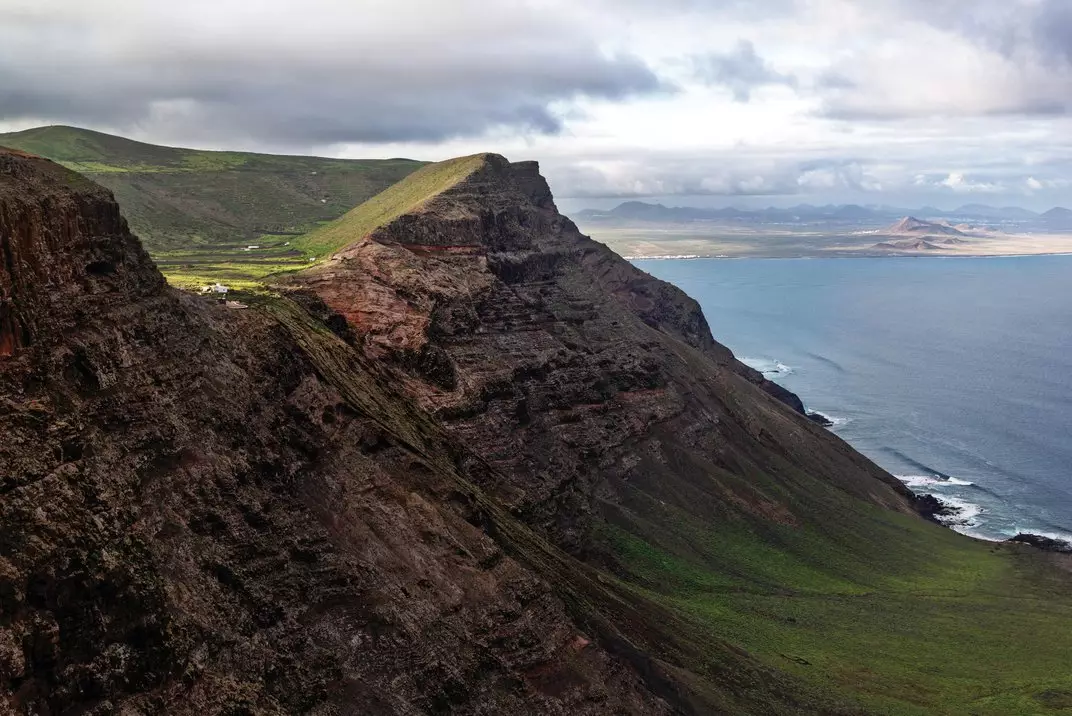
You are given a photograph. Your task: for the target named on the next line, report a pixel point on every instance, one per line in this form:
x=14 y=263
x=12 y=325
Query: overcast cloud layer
x=717 y=102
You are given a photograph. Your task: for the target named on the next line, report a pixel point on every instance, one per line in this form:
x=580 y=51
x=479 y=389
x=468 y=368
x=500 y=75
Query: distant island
x=643 y=230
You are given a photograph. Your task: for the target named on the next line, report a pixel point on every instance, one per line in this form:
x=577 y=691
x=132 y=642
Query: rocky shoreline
x=1040 y=542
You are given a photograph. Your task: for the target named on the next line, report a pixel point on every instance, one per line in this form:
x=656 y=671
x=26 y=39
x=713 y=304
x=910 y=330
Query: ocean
x=955 y=374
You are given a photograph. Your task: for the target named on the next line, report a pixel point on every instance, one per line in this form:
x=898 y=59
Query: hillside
x=620 y=429
x=185 y=199
x=1058 y=218
x=911 y=226
x=407 y=196
x=473 y=463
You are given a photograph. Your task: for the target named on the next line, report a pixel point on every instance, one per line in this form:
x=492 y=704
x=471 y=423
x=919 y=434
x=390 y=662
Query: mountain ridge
x=177 y=198
x=473 y=463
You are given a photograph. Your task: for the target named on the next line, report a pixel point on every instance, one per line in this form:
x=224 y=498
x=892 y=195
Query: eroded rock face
x=567 y=368
x=194 y=520
x=322 y=508
x=61 y=238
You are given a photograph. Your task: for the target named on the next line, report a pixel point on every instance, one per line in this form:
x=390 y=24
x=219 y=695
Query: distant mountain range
x=1058 y=218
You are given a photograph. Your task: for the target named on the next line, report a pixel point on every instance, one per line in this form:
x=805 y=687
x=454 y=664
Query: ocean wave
x=823 y=359
x=933 y=480
x=966 y=513
x=768 y=366
x=917 y=464
x=835 y=421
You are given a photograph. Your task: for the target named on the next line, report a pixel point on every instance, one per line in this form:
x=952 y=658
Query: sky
x=687 y=102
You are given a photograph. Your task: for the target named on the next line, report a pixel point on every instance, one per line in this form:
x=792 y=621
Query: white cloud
x=846 y=99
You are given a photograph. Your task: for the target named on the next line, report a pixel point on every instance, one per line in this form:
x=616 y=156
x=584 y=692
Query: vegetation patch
x=402 y=198
x=902 y=616
x=180 y=199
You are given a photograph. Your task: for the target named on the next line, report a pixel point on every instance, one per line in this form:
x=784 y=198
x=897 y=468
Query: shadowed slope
x=618 y=428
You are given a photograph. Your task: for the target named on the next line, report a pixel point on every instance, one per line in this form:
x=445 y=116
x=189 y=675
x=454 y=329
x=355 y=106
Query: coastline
x=690 y=242
x=929 y=486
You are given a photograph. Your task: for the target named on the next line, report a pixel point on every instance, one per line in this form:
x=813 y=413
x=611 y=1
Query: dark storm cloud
x=741 y=71
x=306 y=85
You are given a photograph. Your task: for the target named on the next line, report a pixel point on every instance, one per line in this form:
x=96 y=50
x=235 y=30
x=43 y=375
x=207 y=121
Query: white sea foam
x=966 y=515
x=835 y=421
x=768 y=366
x=920 y=480
x=932 y=481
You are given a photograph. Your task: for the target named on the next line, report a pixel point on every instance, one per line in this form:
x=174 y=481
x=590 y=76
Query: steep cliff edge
x=569 y=369
x=210 y=511
x=474 y=464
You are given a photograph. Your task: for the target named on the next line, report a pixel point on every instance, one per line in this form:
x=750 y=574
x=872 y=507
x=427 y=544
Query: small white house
x=251 y=247
x=219 y=288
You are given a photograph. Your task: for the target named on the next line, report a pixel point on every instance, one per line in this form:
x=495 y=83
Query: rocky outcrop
x=1046 y=544
x=568 y=369
x=910 y=225
x=61 y=239
x=384 y=492
x=206 y=511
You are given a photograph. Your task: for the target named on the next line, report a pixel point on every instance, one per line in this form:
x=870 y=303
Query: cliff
x=198 y=516
x=473 y=463
x=567 y=368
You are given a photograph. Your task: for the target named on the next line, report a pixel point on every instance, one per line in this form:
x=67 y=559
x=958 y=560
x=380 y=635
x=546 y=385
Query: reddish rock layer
x=566 y=367
x=194 y=519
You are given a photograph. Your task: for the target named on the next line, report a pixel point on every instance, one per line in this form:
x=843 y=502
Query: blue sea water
x=954 y=374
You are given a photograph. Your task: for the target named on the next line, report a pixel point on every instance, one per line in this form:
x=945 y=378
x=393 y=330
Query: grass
x=232 y=266
x=900 y=616
x=404 y=197
x=178 y=199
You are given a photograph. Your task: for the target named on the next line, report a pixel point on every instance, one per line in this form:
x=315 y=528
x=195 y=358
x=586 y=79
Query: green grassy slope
x=855 y=610
x=897 y=615
x=185 y=199
x=404 y=197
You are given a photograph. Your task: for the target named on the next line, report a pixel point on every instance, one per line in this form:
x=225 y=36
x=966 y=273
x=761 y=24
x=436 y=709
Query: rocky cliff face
x=63 y=239
x=567 y=368
x=197 y=516
x=355 y=499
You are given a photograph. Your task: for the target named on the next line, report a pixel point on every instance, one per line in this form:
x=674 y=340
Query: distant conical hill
x=910 y=225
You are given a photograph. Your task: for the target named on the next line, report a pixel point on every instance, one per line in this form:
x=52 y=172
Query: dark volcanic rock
x=350 y=502
x=934 y=509
x=195 y=520
x=1046 y=544
x=820 y=419
x=574 y=372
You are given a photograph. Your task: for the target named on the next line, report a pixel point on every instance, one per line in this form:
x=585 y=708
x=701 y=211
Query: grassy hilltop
x=402 y=198
x=199 y=209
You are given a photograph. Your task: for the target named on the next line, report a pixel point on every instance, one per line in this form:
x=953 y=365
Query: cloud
x=945 y=58
x=663 y=175
x=960 y=183
x=333 y=72
x=741 y=71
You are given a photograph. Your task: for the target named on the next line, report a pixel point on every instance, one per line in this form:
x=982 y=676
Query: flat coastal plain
x=656 y=241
